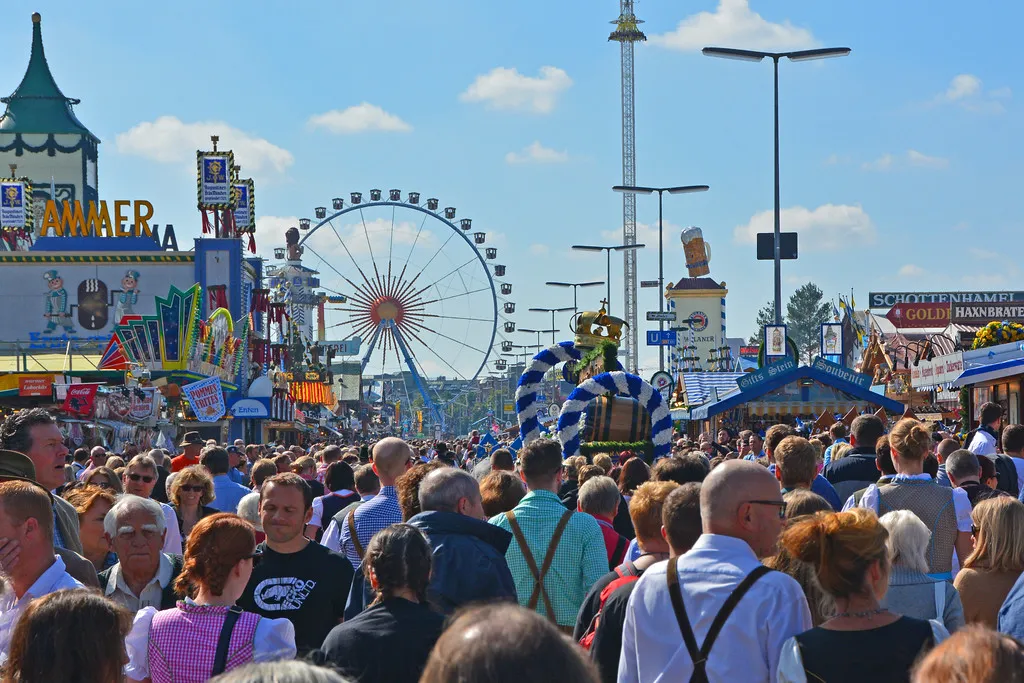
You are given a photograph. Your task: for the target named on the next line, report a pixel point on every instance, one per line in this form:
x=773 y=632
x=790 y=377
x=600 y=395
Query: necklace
x=860 y=615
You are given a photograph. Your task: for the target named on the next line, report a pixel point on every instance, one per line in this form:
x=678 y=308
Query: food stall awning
x=781 y=379
x=987 y=373
x=700 y=386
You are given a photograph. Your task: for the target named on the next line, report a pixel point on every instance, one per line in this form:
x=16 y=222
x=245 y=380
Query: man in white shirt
x=742 y=515
x=987 y=436
x=140 y=477
x=26 y=517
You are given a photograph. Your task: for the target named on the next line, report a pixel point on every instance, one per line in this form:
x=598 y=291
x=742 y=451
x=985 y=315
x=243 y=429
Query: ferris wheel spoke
x=391 y=247
x=413 y=247
x=336 y=271
x=349 y=253
x=457 y=317
x=431 y=260
x=453 y=339
x=373 y=259
x=439 y=357
x=456 y=296
x=446 y=275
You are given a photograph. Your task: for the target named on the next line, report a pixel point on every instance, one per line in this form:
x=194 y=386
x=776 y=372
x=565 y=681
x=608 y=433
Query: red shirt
x=611 y=540
x=181 y=462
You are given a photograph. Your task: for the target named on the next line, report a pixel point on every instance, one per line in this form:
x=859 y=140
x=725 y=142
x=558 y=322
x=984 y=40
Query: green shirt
x=580 y=560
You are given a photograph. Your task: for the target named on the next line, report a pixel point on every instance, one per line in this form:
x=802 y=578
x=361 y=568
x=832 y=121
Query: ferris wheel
x=425 y=294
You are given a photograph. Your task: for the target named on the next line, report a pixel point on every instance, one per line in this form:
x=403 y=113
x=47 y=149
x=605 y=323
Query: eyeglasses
x=141 y=477
x=781 y=504
x=256 y=556
x=191 y=488
x=975 y=531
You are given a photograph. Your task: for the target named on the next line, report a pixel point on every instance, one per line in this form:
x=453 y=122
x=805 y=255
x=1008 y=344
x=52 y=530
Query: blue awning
x=804 y=372
x=987 y=373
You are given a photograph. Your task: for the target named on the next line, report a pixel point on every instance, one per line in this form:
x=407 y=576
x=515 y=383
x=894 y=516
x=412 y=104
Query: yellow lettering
x=142 y=219
x=91 y=222
x=108 y=231
x=72 y=221
x=51 y=220
x=120 y=230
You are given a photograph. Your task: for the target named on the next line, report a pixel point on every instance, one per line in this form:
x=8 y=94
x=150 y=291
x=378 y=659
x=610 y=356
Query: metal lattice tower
x=627 y=32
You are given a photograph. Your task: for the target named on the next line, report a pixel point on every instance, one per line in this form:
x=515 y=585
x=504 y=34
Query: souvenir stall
x=993 y=370
x=793 y=394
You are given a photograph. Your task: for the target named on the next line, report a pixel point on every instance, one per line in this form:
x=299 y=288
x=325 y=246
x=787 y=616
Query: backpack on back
x=627 y=573
x=1006 y=472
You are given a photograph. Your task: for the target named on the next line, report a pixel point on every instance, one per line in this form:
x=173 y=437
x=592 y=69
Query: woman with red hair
x=206 y=634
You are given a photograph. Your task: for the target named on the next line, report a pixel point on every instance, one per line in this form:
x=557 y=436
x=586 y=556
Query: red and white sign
x=938 y=371
x=35 y=386
x=80 y=399
x=918 y=315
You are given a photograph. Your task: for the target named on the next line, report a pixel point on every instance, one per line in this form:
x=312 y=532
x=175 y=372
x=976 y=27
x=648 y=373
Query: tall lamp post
x=797 y=56
x=683 y=189
x=552 y=311
x=608 y=251
x=575 y=286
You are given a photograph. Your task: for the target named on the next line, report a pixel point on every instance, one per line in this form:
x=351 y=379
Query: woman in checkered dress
x=206 y=633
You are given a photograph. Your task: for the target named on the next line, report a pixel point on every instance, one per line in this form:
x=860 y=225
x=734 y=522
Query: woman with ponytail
x=945 y=511
x=206 y=634
x=863 y=642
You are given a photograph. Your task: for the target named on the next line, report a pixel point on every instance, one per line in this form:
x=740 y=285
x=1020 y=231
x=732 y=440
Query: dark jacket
x=469 y=560
x=852 y=472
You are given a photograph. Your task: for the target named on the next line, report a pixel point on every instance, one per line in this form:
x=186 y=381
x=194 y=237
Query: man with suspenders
x=556 y=554
x=718 y=592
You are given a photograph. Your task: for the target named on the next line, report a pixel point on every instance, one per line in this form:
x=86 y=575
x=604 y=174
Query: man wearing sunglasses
x=742 y=514
x=140 y=477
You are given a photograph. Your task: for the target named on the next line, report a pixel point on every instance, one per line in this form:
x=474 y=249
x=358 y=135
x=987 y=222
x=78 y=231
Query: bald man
x=742 y=515
x=391 y=458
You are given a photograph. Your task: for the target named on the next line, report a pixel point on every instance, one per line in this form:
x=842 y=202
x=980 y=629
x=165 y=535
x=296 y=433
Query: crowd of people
x=867 y=553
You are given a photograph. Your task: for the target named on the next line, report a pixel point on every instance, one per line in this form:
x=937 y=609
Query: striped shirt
x=378 y=513
x=581 y=558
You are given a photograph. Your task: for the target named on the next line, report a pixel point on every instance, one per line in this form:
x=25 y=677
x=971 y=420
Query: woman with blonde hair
x=191 y=493
x=945 y=511
x=863 y=641
x=206 y=634
x=997 y=561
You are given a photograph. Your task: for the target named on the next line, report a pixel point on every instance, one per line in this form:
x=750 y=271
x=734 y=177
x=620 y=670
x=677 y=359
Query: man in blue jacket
x=469 y=554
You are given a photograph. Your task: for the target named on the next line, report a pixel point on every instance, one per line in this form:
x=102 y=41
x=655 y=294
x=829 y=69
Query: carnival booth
x=787 y=392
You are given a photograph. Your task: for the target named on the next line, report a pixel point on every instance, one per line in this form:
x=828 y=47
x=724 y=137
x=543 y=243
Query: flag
x=842 y=304
x=835 y=312
x=853 y=302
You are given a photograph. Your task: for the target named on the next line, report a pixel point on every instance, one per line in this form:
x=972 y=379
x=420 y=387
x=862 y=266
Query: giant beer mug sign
x=696 y=251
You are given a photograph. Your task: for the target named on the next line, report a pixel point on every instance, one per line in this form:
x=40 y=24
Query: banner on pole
x=206 y=398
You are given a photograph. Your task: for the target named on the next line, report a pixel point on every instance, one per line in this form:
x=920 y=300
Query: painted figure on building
x=129 y=295
x=57 y=305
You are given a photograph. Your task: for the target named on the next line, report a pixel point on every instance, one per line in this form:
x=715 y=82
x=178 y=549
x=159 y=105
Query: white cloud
x=504 y=88
x=967 y=91
x=358 y=119
x=539 y=249
x=734 y=24
x=985 y=280
x=912 y=157
x=882 y=163
x=982 y=254
x=646 y=233
x=169 y=140
x=829 y=227
x=537 y=153
x=910 y=270
x=923 y=160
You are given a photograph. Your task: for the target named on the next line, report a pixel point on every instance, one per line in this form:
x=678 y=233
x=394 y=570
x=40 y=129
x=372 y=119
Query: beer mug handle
x=707 y=250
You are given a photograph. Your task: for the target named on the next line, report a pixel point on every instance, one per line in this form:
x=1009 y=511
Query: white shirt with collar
x=117 y=588
x=961 y=503
x=55 y=578
x=749 y=644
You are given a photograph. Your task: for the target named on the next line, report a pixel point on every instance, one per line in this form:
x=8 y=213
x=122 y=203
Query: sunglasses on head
x=256 y=556
x=191 y=488
x=141 y=477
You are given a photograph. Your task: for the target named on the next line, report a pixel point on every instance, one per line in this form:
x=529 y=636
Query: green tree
x=765 y=316
x=805 y=313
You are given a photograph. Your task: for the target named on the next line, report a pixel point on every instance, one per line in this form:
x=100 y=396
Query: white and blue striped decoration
x=527 y=404
x=615 y=383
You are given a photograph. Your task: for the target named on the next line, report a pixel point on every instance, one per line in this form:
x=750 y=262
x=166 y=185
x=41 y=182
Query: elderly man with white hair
x=911 y=591
x=143 y=576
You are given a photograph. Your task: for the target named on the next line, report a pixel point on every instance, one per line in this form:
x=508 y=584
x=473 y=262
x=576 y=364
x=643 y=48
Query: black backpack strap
x=220 y=661
x=727 y=609
x=620 y=548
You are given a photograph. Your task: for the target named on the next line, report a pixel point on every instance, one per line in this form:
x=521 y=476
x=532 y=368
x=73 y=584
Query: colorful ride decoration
x=998 y=332
x=530 y=385
x=622 y=383
x=176 y=340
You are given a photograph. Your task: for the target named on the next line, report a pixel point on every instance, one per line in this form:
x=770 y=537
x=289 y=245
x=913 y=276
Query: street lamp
x=575 y=286
x=683 y=189
x=608 y=251
x=797 y=56
x=552 y=311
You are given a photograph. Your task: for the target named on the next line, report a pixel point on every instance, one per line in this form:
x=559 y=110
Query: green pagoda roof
x=38 y=105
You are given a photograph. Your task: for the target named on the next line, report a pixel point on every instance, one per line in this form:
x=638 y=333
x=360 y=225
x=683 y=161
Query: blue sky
x=900 y=163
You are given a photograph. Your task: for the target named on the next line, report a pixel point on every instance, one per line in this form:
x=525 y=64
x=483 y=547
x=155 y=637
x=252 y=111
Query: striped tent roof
x=311 y=392
x=700 y=384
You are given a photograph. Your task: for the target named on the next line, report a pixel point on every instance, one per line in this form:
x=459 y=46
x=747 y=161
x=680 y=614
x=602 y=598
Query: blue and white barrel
x=615 y=383
x=527 y=405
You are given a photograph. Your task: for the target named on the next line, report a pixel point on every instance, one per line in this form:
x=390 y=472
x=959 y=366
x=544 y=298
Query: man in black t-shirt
x=297 y=579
